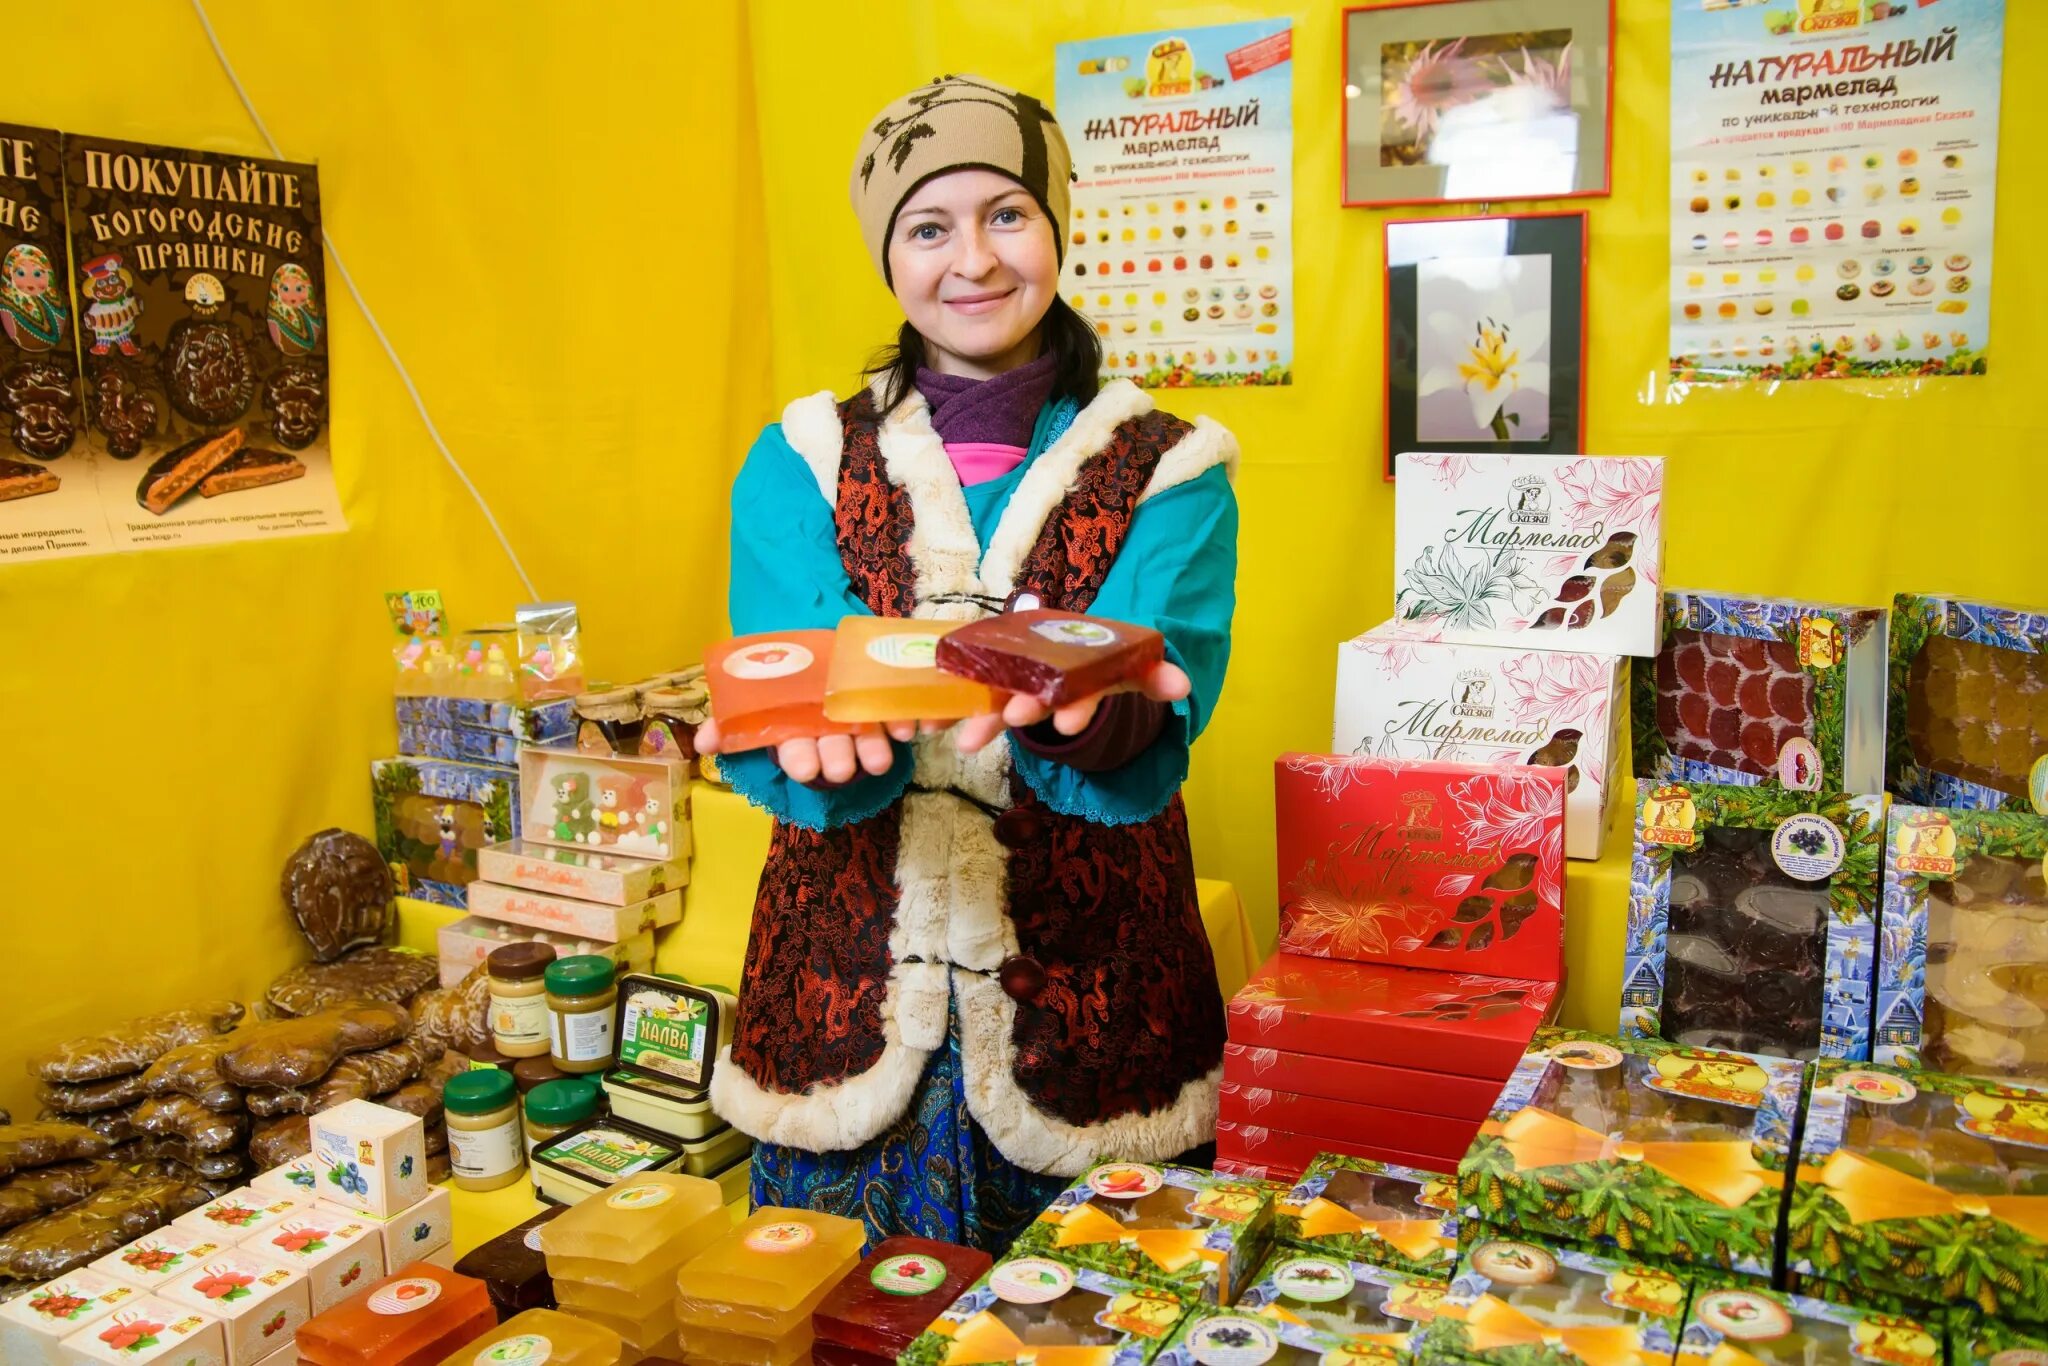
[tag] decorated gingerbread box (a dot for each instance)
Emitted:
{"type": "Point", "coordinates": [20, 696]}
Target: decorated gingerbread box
{"type": "Point", "coordinates": [1190, 1232]}
{"type": "Point", "coordinates": [1968, 722]}
{"type": "Point", "coordinates": [567, 915]}
{"type": "Point", "coordinates": [1520, 1303]}
{"type": "Point", "coordinates": [1461, 1024]}
{"type": "Point", "coordinates": [1022, 1307]}
{"type": "Point", "coordinates": [1924, 1185]}
{"type": "Point", "coordinates": [1740, 1324]}
{"type": "Point", "coordinates": [1753, 919]}
{"type": "Point", "coordinates": [1548, 552]}
{"type": "Point", "coordinates": [632, 806]}
{"type": "Point", "coordinates": [1651, 1149]}
{"type": "Point", "coordinates": [1406, 692]}
{"type": "Point", "coordinates": [433, 815]}
{"type": "Point", "coordinates": [1357, 1210]}
{"type": "Point", "coordinates": [1440, 1139]}
{"type": "Point", "coordinates": [585, 874]}
{"type": "Point", "coordinates": [1210, 1335]}
{"type": "Point", "coordinates": [1359, 1301]}
{"type": "Point", "coordinates": [1962, 974]}
{"type": "Point", "coordinates": [1763, 691]}
{"type": "Point", "coordinates": [1425, 864]}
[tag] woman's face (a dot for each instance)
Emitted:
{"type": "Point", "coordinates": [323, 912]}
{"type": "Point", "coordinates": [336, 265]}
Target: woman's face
{"type": "Point", "coordinates": [974, 265]}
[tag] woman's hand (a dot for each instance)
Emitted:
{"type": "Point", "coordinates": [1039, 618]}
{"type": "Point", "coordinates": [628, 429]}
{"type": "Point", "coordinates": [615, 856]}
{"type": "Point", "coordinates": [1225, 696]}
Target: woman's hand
{"type": "Point", "coordinates": [1165, 683]}
{"type": "Point", "coordinates": [834, 758]}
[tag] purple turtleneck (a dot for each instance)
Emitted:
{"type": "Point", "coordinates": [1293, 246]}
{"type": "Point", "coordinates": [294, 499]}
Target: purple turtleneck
{"type": "Point", "coordinates": [987, 423]}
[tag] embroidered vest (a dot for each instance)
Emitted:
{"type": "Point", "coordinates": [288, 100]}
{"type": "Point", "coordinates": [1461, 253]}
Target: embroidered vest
{"type": "Point", "coordinates": [1090, 1018]}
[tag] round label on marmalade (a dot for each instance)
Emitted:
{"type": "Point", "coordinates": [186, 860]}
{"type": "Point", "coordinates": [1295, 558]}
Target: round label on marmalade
{"type": "Point", "coordinates": [908, 1276]}
{"type": "Point", "coordinates": [1514, 1263]}
{"type": "Point", "coordinates": [1313, 1280]}
{"type": "Point", "coordinates": [643, 1195]}
{"type": "Point", "coordinates": [1233, 1340]}
{"type": "Point", "coordinates": [528, 1349]}
{"type": "Point", "coordinates": [1808, 847]}
{"type": "Point", "coordinates": [2020, 1356]}
{"type": "Point", "coordinates": [783, 1237]}
{"type": "Point", "coordinates": [532, 1241]}
{"type": "Point", "coordinates": [1074, 631]}
{"type": "Point", "coordinates": [2037, 785]}
{"type": "Point", "coordinates": [1586, 1056]}
{"type": "Point", "coordinates": [1125, 1180]}
{"type": "Point", "coordinates": [769, 659]}
{"type": "Point", "coordinates": [905, 649]}
{"type": "Point", "coordinates": [1030, 1280]}
{"type": "Point", "coordinates": [1799, 765]}
{"type": "Point", "coordinates": [405, 1297]}
{"type": "Point", "coordinates": [1744, 1316]}
{"type": "Point", "coordinates": [1874, 1088]}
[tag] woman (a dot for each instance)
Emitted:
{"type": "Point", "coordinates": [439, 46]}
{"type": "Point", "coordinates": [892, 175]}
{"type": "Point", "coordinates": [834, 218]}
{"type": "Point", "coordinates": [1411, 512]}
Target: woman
{"type": "Point", "coordinates": [977, 965]}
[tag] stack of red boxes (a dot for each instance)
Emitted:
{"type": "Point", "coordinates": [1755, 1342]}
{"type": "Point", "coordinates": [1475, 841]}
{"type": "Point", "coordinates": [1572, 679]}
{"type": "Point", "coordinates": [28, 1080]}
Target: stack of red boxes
{"type": "Point", "coordinates": [1421, 945]}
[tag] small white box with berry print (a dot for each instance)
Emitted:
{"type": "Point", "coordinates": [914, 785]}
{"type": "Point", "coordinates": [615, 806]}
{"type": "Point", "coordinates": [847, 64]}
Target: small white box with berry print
{"type": "Point", "coordinates": [156, 1259]}
{"type": "Point", "coordinates": [412, 1235]}
{"type": "Point", "coordinates": [239, 1215]}
{"type": "Point", "coordinates": [369, 1158]}
{"type": "Point", "coordinates": [339, 1251]}
{"type": "Point", "coordinates": [260, 1302]}
{"type": "Point", "coordinates": [149, 1330]}
{"type": "Point", "coordinates": [1535, 552]}
{"type": "Point", "coordinates": [32, 1325]}
{"type": "Point", "coordinates": [295, 1179]}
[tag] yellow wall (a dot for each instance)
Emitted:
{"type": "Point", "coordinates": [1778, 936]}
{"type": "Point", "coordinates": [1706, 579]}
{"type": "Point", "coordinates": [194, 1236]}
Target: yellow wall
{"type": "Point", "coordinates": [603, 286]}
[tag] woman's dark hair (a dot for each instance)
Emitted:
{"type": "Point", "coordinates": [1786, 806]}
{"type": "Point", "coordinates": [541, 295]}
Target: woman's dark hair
{"type": "Point", "coordinates": [1068, 336]}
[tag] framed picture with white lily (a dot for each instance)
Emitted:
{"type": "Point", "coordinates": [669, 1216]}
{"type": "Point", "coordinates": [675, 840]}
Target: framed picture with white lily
{"type": "Point", "coordinates": [1477, 101]}
{"type": "Point", "coordinates": [1486, 335]}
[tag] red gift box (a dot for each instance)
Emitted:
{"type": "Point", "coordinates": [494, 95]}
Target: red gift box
{"type": "Point", "coordinates": [1424, 864]}
{"type": "Point", "coordinates": [1458, 1023]}
{"type": "Point", "coordinates": [1436, 1136]}
{"type": "Point", "coordinates": [1368, 1083]}
{"type": "Point", "coordinates": [1286, 1154]}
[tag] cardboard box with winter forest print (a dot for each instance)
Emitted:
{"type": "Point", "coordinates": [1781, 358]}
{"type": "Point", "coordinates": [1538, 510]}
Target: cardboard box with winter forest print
{"type": "Point", "coordinates": [1678, 1155]}
{"type": "Point", "coordinates": [1521, 1303]}
{"type": "Point", "coordinates": [1191, 1232]}
{"type": "Point", "coordinates": [1968, 722]}
{"type": "Point", "coordinates": [433, 815]}
{"type": "Point", "coordinates": [1552, 552]}
{"type": "Point", "coordinates": [1405, 692]}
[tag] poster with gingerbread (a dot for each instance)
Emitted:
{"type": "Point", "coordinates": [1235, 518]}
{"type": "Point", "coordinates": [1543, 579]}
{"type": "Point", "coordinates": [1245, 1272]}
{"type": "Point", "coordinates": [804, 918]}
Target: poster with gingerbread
{"type": "Point", "coordinates": [203, 338]}
{"type": "Point", "coordinates": [49, 499]}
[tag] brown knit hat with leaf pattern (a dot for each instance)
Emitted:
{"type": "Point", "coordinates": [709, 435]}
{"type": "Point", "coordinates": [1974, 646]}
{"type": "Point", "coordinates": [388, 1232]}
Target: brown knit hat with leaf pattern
{"type": "Point", "coordinates": [957, 123]}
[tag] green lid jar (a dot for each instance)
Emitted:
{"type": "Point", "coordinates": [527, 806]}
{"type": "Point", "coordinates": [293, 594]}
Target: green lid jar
{"type": "Point", "coordinates": [553, 1108]}
{"type": "Point", "coordinates": [581, 995]}
{"type": "Point", "coordinates": [483, 1129]}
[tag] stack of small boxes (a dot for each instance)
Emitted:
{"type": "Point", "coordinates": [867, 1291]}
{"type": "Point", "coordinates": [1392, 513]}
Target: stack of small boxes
{"type": "Point", "coordinates": [614, 1258]}
{"type": "Point", "coordinates": [747, 1300]}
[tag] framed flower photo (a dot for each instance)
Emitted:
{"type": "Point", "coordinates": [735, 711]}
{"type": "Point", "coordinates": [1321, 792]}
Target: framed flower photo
{"type": "Point", "coordinates": [1486, 335]}
{"type": "Point", "coordinates": [1467, 101]}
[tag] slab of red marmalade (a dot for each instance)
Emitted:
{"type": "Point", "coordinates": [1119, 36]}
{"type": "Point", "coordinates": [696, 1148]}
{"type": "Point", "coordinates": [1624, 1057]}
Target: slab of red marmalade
{"type": "Point", "coordinates": [770, 687]}
{"type": "Point", "coordinates": [1460, 1023]}
{"type": "Point", "coordinates": [1426, 864]}
{"type": "Point", "coordinates": [1056, 657]}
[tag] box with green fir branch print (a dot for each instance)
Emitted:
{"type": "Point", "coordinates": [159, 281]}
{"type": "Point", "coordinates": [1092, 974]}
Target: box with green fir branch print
{"type": "Point", "coordinates": [1924, 1185]}
{"type": "Point", "coordinates": [1356, 1209]}
{"type": "Point", "coordinates": [1195, 1233]}
{"type": "Point", "coordinates": [1523, 1302]}
{"type": "Point", "coordinates": [1638, 1147]}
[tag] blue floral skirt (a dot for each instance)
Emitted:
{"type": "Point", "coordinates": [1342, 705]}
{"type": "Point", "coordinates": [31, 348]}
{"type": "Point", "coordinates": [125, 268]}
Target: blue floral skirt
{"type": "Point", "coordinates": [933, 1172]}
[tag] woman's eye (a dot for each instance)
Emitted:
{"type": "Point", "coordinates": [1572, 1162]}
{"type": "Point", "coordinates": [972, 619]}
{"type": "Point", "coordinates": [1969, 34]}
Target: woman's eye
{"type": "Point", "coordinates": [1008, 217]}
{"type": "Point", "coordinates": [925, 232]}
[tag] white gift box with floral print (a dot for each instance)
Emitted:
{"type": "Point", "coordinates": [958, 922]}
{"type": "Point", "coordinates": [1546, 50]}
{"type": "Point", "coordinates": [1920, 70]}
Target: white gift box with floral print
{"type": "Point", "coordinates": [1405, 691]}
{"type": "Point", "coordinates": [1552, 552]}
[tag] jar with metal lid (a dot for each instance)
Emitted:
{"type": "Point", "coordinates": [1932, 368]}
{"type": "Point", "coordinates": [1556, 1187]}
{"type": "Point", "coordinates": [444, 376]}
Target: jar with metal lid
{"type": "Point", "coordinates": [519, 1004]}
{"type": "Point", "coordinates": [484, 1146]}
{"type": "Point", "coordinates": [672, 715]}
{"type": "Point", "coordinates": [608, 720]}
{"type": "Point", "coordinates": [555, 1107]}
{"type": "Point", "coordinates": [580, 999]}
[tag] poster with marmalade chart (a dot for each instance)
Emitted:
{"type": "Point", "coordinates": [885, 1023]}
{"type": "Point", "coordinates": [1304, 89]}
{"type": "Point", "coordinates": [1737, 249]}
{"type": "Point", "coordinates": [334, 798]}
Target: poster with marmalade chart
{"type": "Point", "coordinates": [202, 327]}
{"type": "Point", "coordinates": [1180, 244]}
{"type": "Point", "coordinates": [1833, 167]}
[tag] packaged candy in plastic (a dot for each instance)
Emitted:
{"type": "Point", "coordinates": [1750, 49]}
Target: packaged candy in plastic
{"type": "Point", "coordinates": [25, 1195]}
{"type": "Point", "coordinates": [1056, 657]}
{"type": "Point", "coordinates": [1347, 1298]}
{"type": "Point", "coordinates": [93, 1096]}
{"type": "Point", "coordinates": [193, 1070]}
{"type": "Point", "coordinates": [1210, 1334]}
{"type": "Point", "coordinates": [1192, 1232]}
{"type": "Point", "coordinates": [135, 1045]}
{"type": "Point", "coordinates": [24, 1147]}
{"type": "Point", "coordinates": [375, 973]}
{"type": "Point", "coordinates": [95, 1226]}
{"type": "Point", "coordinates": [1026, 1306]}
{"type": "Point", "coordinates": [338, 890]}
{"type": "Point", "coordinates": [295, 1052]}
{"type": "Point", "coordinates": [182, 1117]}
{"type": "Point", "coordinates": [1509, 1296]}
{"type": "Point", "coordinates": [1352, 1209]}
{"type": "Point", "coordinates": [513, 1268]}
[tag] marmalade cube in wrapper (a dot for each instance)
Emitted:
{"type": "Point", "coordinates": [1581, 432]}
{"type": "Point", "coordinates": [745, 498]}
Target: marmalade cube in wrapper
{"type": "Point", "coordinates": [1211, 1336]}
{"type": "Point", "coordinates": [1024, 1305]}
{"type": "Point", "coordinates": [1772, 1328]}
{"type": "Point", "coordinates": [1647, 1148]}
{"type": "Point", "coordinates": [1523, 1304]}
{"type": "Point", "coordinates": [1924, 1185]}
{"type": "Point", "coordinates": [1358, 1210]}
{"type": "Point", "coordinates": [1192, 1232]}
{"type": "Point", "coordinates": [1348, 1299]}
{"type": "Point", "coordinates": [1962, 974]}
{"type": "Point", "coordinates": [1753, 919]}
{"type": "Point", "coordinates": [1968, 720]}
{"type": "Point", "coordinates": [881, 1306]}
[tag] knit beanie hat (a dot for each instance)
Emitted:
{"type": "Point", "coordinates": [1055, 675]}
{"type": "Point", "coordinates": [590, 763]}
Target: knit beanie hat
{"type": "Point", "coordinates": [957, 123]}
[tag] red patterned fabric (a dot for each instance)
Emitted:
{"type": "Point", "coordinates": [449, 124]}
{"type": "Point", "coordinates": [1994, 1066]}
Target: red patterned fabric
{"type": "Point", "coordinates": [1130, 1011]}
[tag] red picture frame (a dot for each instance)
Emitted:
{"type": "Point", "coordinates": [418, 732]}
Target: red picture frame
{"type": "Point", "coordinates": [1345, 103]}
{"type": "Point", "coordinates": [1391, 443]}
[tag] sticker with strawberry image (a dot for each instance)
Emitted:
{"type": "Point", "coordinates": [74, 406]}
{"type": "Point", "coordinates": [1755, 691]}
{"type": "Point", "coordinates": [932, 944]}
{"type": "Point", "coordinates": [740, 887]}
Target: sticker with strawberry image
{"type": "Point", "coordinates": [301, 1240]}
{"type": "Point", "coordinates": [155, 1260]}
{"type": "Point", "coordinates": [353, 1274]}
{"type": "Point", "coordinates": [131, 1336]}
{"type": "Point", "coordinates": [54, 1302]}
{"type": "Point", "coordinates": [271, 1328]}
{"type": "Point", "coordinates": [233, 1214]}
{"type": "Point", "coordinates": [226, 1285]}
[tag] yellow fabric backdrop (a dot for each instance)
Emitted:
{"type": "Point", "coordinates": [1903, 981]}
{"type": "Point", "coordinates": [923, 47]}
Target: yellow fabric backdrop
{"type": "Point", "coordinates": [611, 240]}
